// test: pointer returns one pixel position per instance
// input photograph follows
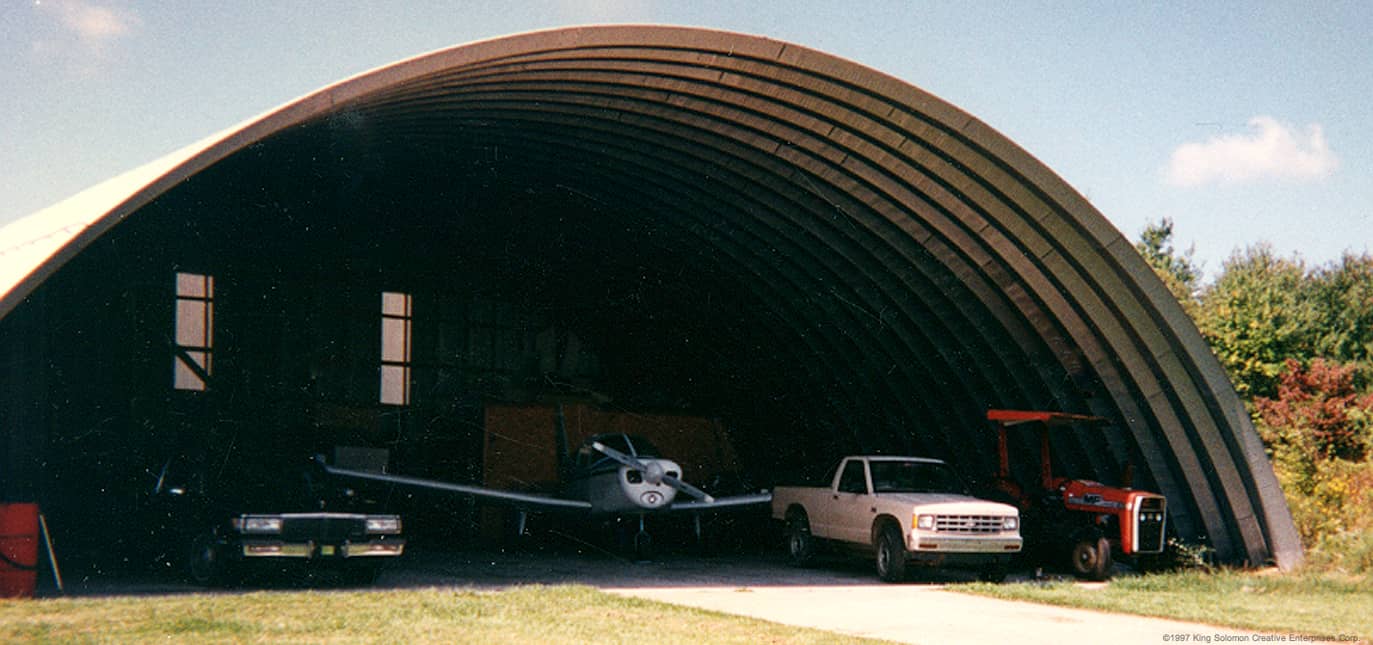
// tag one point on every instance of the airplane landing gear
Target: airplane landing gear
(643, 542)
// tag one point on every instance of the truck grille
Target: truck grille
(323, 528)
(968, 524)
(1149, 532)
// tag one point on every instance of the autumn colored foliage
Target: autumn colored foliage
(1318, 409)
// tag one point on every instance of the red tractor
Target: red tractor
(1083, 520)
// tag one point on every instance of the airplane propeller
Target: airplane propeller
(652, 472)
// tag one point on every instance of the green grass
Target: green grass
(1311, 604)
(536, 614)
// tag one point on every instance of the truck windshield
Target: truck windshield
(914, 477)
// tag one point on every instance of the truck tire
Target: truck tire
(800, 542)
(891, 555)
(1091, 558)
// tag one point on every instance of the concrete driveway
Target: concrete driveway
(839, 595)
(916, 613)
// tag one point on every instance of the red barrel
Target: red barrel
(18, 550)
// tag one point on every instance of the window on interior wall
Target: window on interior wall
(192, 361)
(395, 347)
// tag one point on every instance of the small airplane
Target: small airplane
(610, 475)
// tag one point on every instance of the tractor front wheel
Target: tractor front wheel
(1091, 558)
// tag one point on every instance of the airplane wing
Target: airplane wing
(720, 503)
(524, 501)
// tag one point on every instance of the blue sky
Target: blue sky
(1243, 122)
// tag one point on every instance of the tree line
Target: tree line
(1297, 342)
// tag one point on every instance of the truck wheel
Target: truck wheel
(205, 561)
(891, 555)
(800, 542)
(1091, 558)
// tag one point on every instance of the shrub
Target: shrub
(1319, 432)
(1318, 410)
(1348, 551)
(1328, 498)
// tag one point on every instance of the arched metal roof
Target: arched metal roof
(904, 265)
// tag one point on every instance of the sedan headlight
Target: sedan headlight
(1010, 523)
(258, 524)
(925, 522)
(383, 525)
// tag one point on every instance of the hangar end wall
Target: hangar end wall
(826, 258)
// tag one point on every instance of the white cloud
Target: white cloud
(1271, 150)
(93, 25)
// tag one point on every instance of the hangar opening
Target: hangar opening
(814, 258)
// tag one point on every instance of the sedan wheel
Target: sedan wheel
(205, 560)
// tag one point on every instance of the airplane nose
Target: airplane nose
(654, 473)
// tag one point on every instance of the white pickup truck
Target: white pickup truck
(906, 510)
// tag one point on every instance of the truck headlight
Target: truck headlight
(383, 525)
(1010, 523)
(251, 524)
(925, 522)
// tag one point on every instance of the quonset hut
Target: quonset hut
(824, 258)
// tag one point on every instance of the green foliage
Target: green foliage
(1298, 345)
(1257, 315)
(1344, 298)
(1184, 556)
(1178, 271)
(1319, 432)
(1348, 551)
